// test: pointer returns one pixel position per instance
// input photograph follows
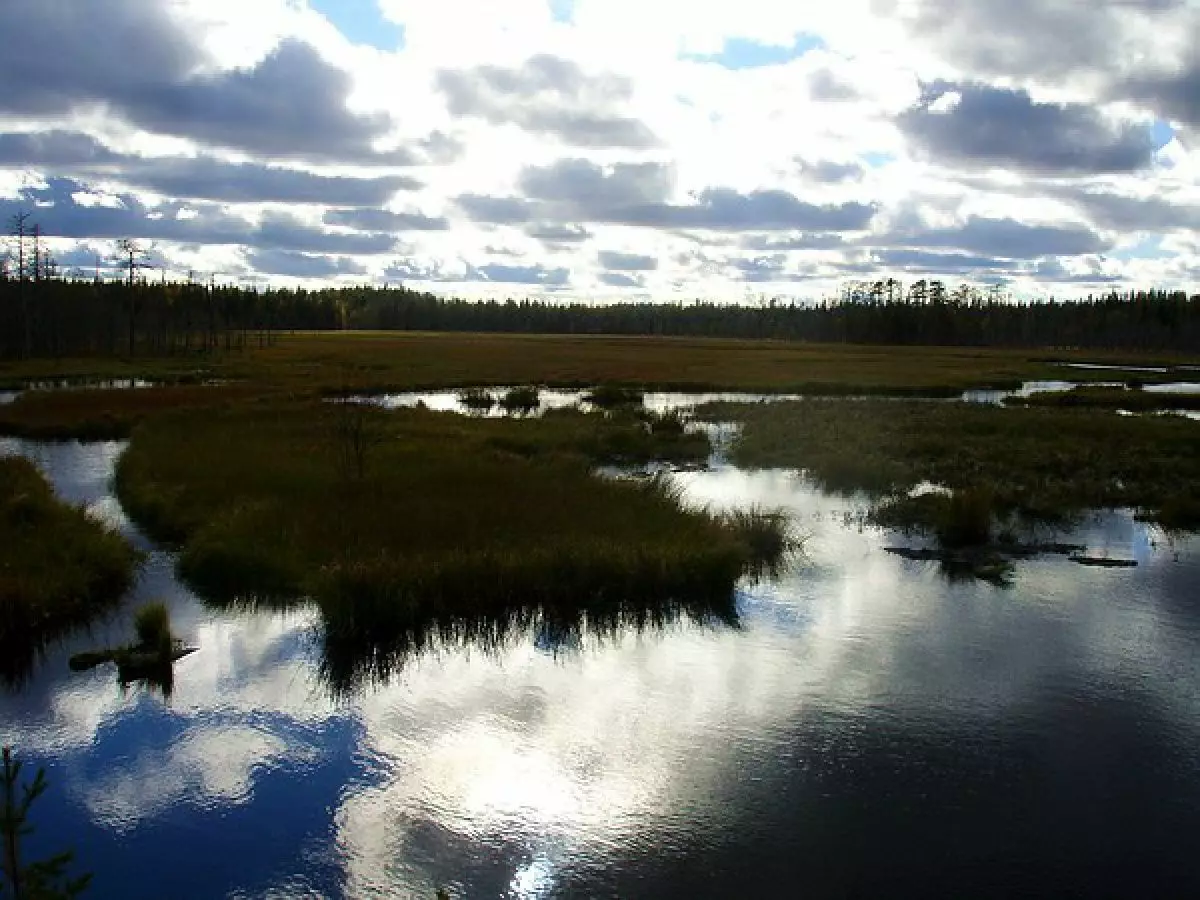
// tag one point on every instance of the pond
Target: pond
(868, 728)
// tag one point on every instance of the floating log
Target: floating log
(1104, 562)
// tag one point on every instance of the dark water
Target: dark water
(870, 729)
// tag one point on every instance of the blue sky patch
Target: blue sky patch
(739, 53)
(876, 160)
(1162, 133)
(1147, 248)
(562, 10)
(361, 22)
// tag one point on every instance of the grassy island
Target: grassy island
(1037, 463)
(58, 567)
(388, 518)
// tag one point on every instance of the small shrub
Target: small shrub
(476, 399)
(966, 519)
(612, 396)
(152, 624)
(521, 400)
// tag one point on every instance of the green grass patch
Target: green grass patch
(58, 568)
(1040, 463)
(452, 517)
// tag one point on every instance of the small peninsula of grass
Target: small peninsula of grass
(447, 516)
(1111, 398)
(58, 567)
(1039, 463)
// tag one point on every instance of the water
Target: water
(869, 729)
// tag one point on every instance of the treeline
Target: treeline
(48, 316)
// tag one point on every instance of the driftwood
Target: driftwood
(1106, 562)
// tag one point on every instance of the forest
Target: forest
(43, 315)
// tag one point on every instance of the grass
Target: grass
(1042, 464)
(417, 360)
(1111, 398)
(107, 414)
(58, 568)
(454, 517)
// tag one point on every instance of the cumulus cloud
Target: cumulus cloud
(302, 265)
(550, 96)
(977, 124)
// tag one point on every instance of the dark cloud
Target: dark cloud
(281, 230)
(384, 221)
(626, 262)
(1004, 238)
(291, 105)
(583, 183)
(577, 190)
(135, 61)
(549, 96)
(302, 265)
(1047, 38)
(196, 177)
(1124, 213)
(924, 262)
(59, 54)
(829, 172)
(59, 214)
(496, 210)
(551, 233)
(1172, 96)
(1007, 129)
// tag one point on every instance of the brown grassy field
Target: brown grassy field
(410, 360)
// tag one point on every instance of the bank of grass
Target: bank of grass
(1110, 398)
(1038, 463)
(108, 414)
(384, 361)
(58, 567)
(451, 517)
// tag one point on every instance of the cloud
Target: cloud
(1004, 238)
(59, 212)
(1053, 39)
(531, 274)
(975, 124)
(59, 55)
(291, 105)
(626, 262)
(496, 210)
(621, 280)
(1174, 95)
(550, 233)
(134, 60)
(635, 194)
(549, 96)
(195, 177)
(382, 220)
(829, 172)
(302, 265)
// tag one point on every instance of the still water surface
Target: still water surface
(869, 729)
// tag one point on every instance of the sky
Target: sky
(609, 149)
